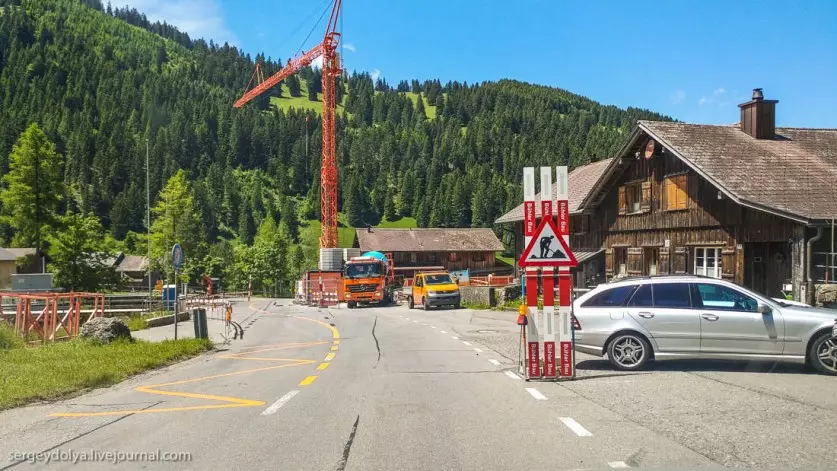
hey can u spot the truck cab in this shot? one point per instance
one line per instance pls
(368, 280)
(433, 289)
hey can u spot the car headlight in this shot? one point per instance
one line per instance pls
(348, 295)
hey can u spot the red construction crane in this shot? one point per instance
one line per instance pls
(331, 70)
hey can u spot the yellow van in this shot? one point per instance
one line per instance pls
(434, 289)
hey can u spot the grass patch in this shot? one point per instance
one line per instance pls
(137, 321)
(9, 339)
(57, 370)
(507, 260)
(429, 109)
(400, 223)
(302, 102)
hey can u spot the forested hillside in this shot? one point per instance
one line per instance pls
(107, 86)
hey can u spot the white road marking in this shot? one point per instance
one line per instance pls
(576, 427)
(423, 323)
(537, 394)
(455, 337)
(512, 375)
(416, 322)
(281, 402)
(432, 326)
(466, 343)
(617, 464)
(494, 362)
(477, 350)
(442, 332)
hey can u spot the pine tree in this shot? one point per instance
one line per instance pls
(246, 225)
(290, 219)
(294, 88)
(311, 83)
(33, 188)
(420, 114)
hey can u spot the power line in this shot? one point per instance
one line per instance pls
(325, 10)
(300, 25)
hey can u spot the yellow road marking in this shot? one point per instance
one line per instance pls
(307, 381)
(230, 402)
(334, 348)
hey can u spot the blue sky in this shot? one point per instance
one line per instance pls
(692, 60)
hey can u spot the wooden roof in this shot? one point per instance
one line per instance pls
(429, 240)
(581, 181)
(791, 175)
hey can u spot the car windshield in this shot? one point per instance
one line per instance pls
(362, 270)
(437, 279)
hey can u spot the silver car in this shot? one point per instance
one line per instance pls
(654, 318)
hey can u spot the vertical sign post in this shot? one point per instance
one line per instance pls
(177, 262)
(565, 334)
(548, 282)
(532, 348)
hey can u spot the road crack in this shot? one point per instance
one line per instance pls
(348, 447)
(377, 345)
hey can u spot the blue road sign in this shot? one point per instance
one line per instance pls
(177, 256)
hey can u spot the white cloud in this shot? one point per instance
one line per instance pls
(349, 47)
(200, 18)
(317, 63)
(678, 97)
(375, 74)
(713, 97)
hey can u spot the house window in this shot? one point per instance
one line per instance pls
(478, 257)
(676, 194)
(635, 198)
(708, 261)
(413, 257)
(454, 257)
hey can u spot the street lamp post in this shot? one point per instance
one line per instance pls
(148, 215)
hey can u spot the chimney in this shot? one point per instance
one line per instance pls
(758, 116)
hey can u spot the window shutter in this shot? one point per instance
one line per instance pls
(634, 261)
(682, 193)
(679, 264)
(663, 264)
(728, 263)
(645, 205)
(623, 201)
(608, 262)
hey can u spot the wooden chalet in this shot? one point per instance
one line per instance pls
(750, 202)
(441, 249)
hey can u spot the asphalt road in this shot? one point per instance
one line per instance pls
(398, 389)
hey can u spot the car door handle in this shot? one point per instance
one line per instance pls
(646, 315)
(709, 317)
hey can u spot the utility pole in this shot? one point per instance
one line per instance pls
(148, 215)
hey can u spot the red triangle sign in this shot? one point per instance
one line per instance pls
(547, 248)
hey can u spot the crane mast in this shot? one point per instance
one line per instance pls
(330, 71)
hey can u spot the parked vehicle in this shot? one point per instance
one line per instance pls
(434, 289)
(369, 279)
(653, 318)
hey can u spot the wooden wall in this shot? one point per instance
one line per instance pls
(450, 260)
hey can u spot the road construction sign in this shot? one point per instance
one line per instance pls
(547, 248)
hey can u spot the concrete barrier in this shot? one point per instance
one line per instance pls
(167, 320)
(483, 295)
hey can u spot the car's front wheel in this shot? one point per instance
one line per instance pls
(823, 354)
(628, 351)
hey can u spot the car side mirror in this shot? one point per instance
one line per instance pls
(764, 308)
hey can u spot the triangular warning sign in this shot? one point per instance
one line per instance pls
(547, 248)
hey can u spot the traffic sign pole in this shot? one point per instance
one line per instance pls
(565, 334)
(531, 277)
(177, 263)
(549, 369)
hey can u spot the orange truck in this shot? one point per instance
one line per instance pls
(368, 279)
